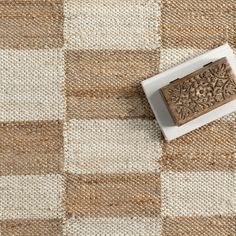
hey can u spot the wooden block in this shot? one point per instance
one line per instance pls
(200, 92)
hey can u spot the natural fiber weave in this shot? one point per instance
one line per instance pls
(80, 151)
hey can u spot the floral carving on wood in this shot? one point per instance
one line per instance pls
(201, 92)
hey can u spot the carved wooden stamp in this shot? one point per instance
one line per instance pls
(200, 92)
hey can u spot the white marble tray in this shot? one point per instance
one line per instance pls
(152, 85)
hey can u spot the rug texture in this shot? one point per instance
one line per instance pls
(80, 151)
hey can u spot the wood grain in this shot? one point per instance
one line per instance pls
(200, 92)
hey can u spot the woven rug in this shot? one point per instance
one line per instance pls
(80, 151)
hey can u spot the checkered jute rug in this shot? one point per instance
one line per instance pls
(80, 151)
